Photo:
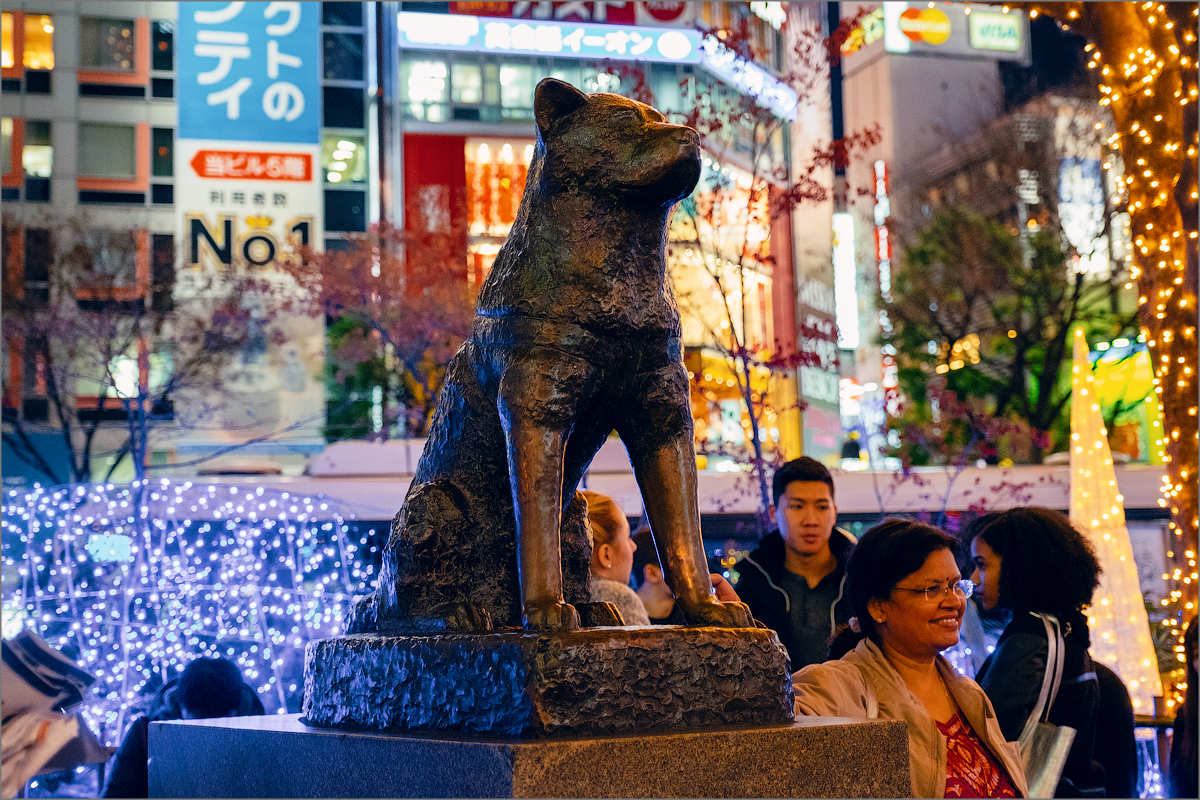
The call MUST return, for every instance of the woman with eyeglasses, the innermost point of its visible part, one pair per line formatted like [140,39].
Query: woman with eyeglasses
[1031,561]
[908,597]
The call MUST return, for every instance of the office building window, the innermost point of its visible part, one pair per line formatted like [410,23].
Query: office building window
[343,56]
[345,14]
[425,88]
[516,90]
[6,142]
[39,41]
[106,43]
[39,255]
[107,151]
[344,157]
[343,107]
[162,152]
[162,45]
[38,49]
[37,156]
[8,53]
[466,83]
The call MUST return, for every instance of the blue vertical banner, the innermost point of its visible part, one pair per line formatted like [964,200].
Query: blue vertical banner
[249,72]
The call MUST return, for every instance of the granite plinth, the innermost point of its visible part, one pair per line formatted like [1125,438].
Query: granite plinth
[278,756]
[596,680]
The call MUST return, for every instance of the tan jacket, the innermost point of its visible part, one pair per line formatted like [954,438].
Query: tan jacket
[843,688]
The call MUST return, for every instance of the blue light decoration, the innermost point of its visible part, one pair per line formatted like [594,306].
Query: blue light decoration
[134,581]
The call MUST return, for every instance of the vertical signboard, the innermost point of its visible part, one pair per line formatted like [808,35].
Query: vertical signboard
[249,196]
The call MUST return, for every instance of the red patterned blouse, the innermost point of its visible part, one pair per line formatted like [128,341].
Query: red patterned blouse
[971,771]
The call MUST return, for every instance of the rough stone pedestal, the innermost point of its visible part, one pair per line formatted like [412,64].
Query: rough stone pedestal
[277,756]
[592,681]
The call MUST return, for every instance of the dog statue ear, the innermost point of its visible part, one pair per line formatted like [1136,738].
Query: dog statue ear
[554,99]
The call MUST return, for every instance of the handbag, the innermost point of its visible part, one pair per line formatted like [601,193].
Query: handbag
[1044,747]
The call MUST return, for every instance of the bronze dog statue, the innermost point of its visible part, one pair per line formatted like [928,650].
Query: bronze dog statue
[576,333]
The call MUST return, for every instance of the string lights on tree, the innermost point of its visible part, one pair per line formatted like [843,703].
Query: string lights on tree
[133,582]
[1144,56]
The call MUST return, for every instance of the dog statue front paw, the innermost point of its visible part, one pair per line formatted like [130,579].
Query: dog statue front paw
[719,615]
[551,617]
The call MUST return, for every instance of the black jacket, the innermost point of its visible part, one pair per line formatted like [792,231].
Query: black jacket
[1012,677]
[1116,749]
[758,584]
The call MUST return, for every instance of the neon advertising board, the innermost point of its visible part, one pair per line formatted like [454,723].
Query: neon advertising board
[948,29]
[546,37]
[420,31]
[249,72]
[248,195]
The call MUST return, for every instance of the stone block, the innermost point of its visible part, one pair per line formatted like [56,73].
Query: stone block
[596,680]
[277,756]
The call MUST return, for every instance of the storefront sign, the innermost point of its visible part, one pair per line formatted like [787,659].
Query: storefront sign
[929,25]
[996,32]
[883,253]
[868,32]
[248,197]
[751,79]
[670,14]
[845,279]
[420,31]
[249,71]
[960,30]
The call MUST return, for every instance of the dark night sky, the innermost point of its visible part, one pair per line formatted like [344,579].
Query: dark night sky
[1058,63]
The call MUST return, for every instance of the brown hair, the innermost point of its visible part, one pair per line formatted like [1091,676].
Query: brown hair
[603,515]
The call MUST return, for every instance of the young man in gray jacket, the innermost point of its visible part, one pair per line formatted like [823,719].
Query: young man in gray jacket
[794,581]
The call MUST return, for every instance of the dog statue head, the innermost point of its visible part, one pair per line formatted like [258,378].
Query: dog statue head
[612,144]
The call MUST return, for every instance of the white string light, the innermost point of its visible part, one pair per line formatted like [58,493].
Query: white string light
[135,581]
[1117,620]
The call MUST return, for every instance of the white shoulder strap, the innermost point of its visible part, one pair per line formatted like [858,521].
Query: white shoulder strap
[1055,655]
[871,701]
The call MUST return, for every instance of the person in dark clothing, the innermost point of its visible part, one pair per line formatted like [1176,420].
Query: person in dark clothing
[208,688]
[1031,561]
[1182,773]
[651,585]
[1116,747]
[794,582]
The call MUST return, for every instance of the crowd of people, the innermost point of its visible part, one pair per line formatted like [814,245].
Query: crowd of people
[865,623]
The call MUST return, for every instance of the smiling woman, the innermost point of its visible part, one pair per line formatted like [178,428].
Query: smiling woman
[908,598]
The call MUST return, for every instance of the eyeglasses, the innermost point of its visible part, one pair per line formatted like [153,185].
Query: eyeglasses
[963,588]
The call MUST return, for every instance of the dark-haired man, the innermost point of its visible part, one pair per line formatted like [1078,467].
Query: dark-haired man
[794,582]
[208,688]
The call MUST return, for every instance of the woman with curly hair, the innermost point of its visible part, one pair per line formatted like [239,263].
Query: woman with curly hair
[1031,561]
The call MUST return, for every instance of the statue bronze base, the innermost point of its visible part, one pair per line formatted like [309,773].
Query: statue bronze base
[592,681]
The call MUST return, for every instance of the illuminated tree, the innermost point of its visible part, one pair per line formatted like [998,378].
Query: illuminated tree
[400,306]
[1144,55]
[992,316]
